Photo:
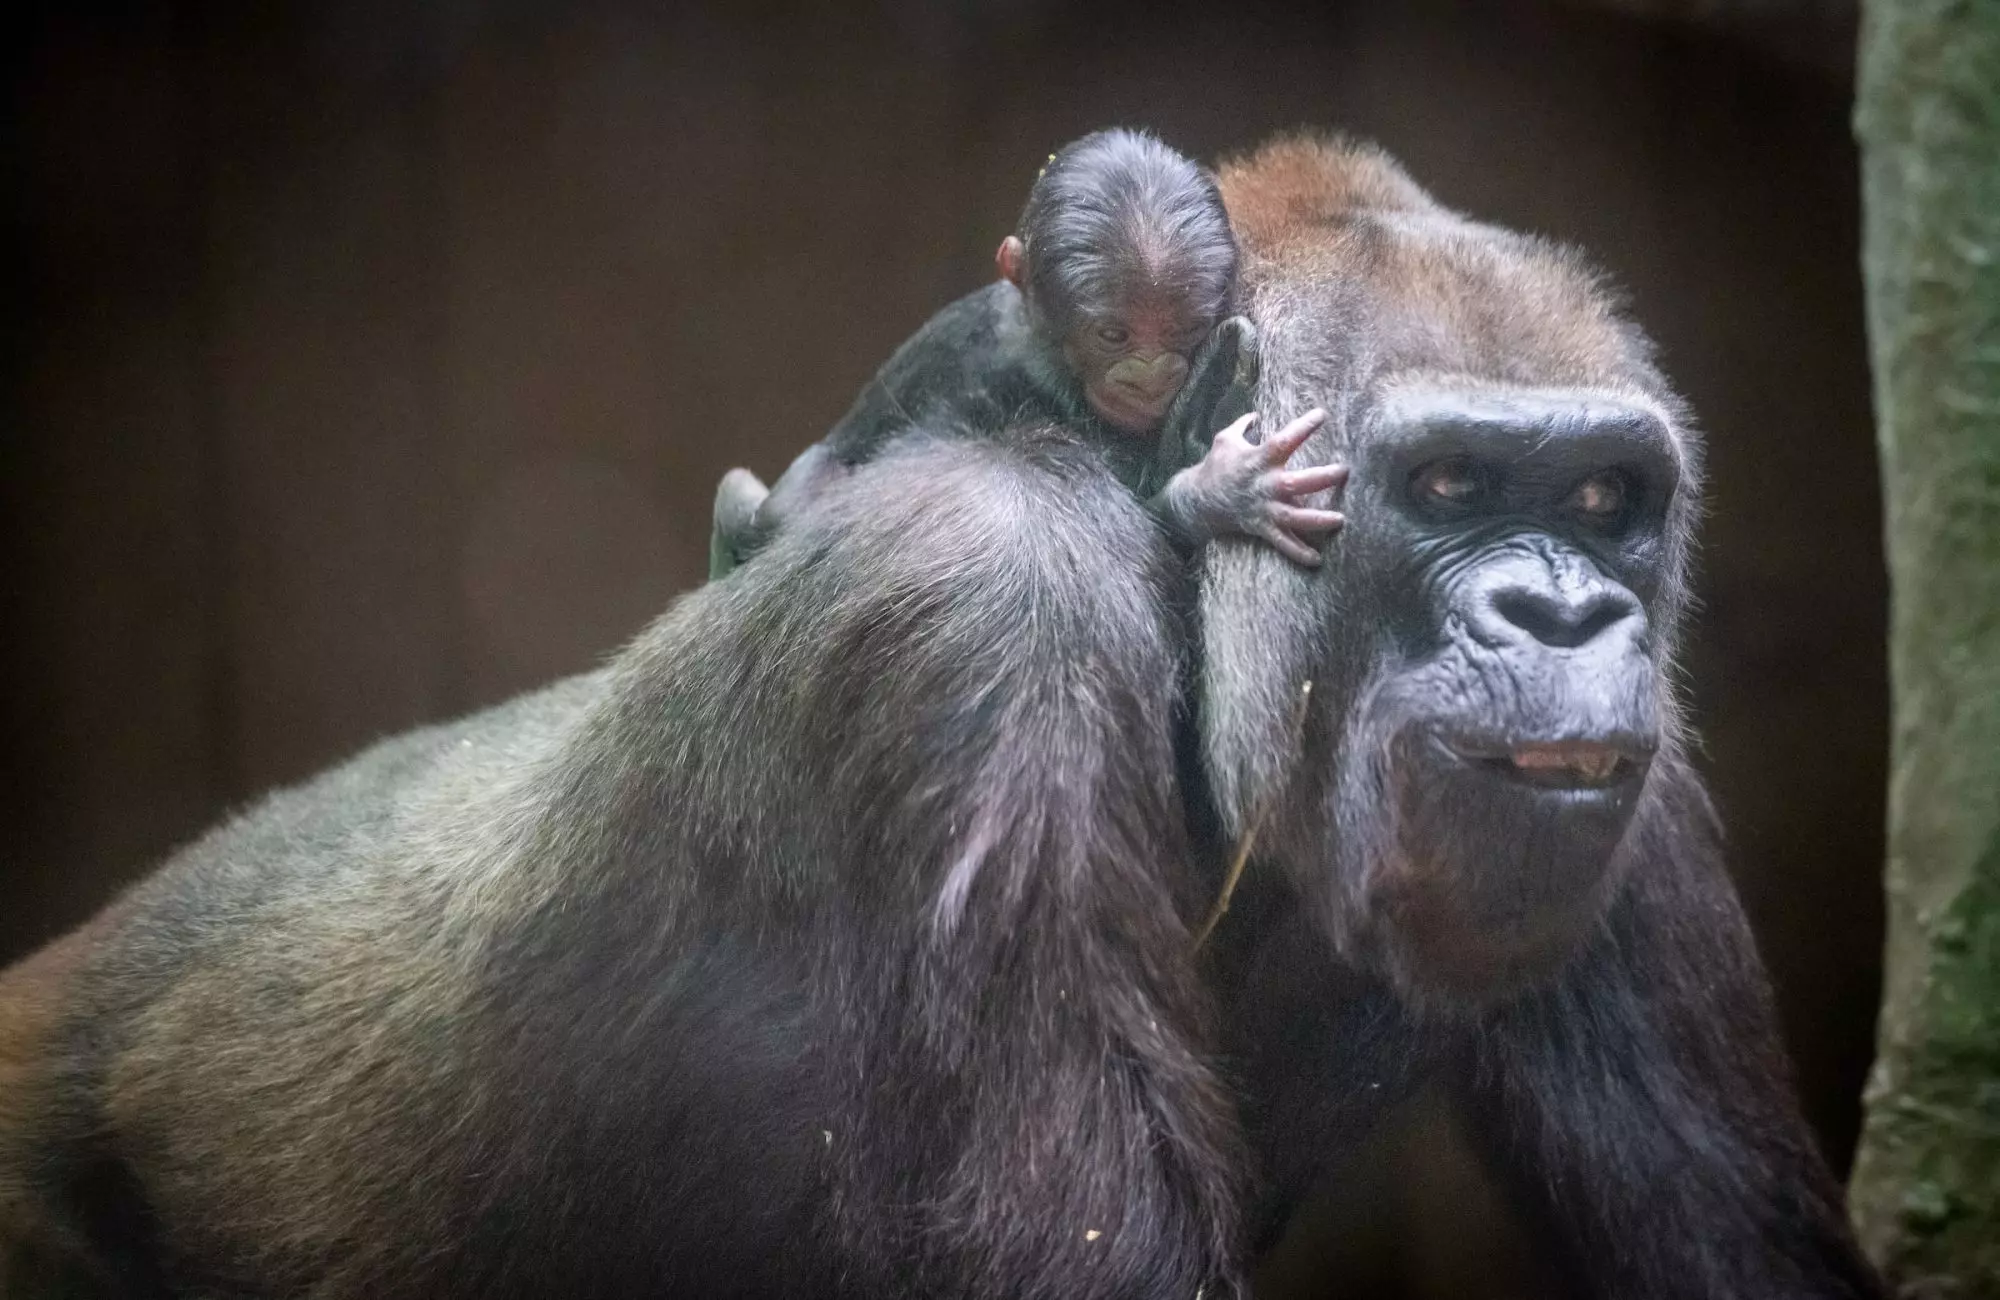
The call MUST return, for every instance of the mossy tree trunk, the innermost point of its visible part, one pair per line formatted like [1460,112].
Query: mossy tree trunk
[1926,1190]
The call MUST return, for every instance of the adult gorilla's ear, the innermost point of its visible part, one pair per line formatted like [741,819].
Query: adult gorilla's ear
[1221,385]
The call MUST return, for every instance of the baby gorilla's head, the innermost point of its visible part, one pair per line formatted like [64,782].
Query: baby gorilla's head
[1127,261]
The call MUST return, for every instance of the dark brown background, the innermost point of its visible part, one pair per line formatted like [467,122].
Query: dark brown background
[376,361]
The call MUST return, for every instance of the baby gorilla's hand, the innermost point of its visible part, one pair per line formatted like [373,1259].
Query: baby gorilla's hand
[1243,487]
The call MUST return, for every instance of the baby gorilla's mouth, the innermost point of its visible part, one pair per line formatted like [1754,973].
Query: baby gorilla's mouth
[1130,411]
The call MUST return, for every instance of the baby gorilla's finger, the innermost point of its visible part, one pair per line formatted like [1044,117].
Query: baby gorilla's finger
[1239,431]
[1304,519]
[1305,482]
[1289,546]
[1279,447]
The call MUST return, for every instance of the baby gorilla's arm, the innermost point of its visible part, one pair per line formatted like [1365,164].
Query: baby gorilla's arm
[1243,487]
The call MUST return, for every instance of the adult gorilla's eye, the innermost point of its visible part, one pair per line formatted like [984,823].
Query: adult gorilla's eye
[1451,482]
[1601,497]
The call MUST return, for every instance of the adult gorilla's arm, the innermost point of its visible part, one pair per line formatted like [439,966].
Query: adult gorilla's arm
[1643,1102]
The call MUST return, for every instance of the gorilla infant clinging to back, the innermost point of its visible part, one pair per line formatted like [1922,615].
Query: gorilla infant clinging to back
[1123,269]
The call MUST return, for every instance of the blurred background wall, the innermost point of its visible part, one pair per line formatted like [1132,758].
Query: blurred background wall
[375,361]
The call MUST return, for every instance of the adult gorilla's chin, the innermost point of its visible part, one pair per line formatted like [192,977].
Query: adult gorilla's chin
[1478,878]
[1494,789]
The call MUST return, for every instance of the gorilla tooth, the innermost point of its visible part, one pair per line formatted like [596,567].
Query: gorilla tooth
[1597,767]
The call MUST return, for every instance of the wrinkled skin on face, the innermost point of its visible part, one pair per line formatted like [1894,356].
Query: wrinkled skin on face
[1515,712]
[1133,358]
[1486,749]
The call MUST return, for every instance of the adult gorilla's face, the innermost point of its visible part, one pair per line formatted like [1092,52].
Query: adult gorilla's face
[1489,639]
[1511,544]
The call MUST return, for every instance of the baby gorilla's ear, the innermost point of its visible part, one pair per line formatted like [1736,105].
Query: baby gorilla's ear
[1011,260]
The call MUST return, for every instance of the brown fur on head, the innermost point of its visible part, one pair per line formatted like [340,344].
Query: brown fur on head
[1373,300]
[1343,219]
[1298,185]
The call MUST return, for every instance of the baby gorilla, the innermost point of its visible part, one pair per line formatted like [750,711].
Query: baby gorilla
[1123,269]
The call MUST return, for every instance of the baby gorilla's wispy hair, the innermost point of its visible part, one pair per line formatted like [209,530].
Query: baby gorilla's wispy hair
[1116,212]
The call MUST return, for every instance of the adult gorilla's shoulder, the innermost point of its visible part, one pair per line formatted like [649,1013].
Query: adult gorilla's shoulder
[825,942]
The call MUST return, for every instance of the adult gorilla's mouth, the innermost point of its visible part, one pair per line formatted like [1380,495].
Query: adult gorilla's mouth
[1571,764]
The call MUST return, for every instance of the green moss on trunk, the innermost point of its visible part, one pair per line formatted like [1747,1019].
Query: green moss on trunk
[1926,1191]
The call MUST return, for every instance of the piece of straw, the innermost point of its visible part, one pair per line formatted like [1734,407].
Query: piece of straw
[1249,840]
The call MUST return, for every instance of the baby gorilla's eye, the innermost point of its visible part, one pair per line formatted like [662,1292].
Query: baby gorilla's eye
[1116,336]
[1453,482]
[1601,497]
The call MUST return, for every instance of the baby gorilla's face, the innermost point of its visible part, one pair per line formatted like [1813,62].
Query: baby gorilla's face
[1133,358]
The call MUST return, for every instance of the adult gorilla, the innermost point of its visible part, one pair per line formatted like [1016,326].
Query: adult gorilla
[830,942]
[1486,858]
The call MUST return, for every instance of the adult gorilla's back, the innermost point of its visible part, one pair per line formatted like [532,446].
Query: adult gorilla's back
[823,943]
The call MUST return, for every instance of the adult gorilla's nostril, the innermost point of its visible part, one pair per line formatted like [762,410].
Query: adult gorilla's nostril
[1563,622]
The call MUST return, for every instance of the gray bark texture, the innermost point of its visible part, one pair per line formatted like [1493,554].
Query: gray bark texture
[1926,1188]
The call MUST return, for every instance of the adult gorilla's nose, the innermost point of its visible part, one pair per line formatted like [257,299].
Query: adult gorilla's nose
[1527,602]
